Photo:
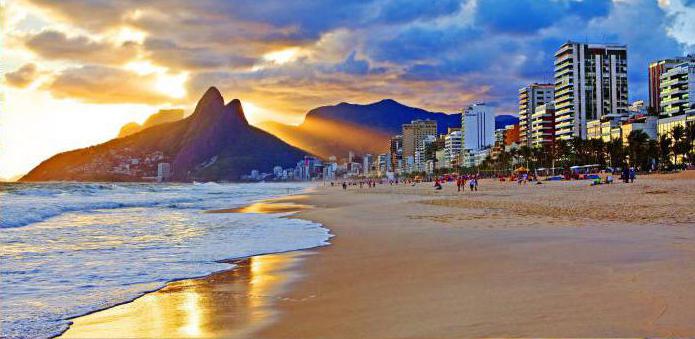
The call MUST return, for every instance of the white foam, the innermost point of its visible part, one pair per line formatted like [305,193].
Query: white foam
[102,246]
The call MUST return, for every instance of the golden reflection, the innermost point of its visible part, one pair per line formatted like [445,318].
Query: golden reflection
[265,208]
[226,304]
[191,307]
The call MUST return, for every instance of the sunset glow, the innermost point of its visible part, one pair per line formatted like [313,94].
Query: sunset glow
[73,74]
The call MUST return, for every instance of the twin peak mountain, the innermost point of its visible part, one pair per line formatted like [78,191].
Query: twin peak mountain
[216,142]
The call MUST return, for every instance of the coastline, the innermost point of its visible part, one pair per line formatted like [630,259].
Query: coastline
[181,304]
[410,261]
[228,303]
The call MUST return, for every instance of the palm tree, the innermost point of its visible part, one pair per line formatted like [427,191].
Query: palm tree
[525,152]
[580,150]
[637,146]
[690,140]
[678,133]
[596,148]
[616,152]
[664,150]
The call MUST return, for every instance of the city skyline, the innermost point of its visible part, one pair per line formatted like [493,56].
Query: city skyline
[75,73]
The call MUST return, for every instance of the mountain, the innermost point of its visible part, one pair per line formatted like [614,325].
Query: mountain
[161,117]
[338,129]
[214,143]
[504,120]
[385,116]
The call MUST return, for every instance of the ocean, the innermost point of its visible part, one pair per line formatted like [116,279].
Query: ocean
[67,249]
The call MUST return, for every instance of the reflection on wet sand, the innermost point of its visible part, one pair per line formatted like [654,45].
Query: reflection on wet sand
[271,206]
[226,304]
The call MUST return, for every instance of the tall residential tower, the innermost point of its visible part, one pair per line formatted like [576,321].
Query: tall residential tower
[414,133]
[656,70]
[590,83]
[478,127]
[530,97]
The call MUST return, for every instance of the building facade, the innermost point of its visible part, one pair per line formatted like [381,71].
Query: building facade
[530,97]
[543,125]
[163,171]
[452,149]
[414,133]
[646,124]
[421,156]
[677,90]
[512,134]
[656,70]
[478,127]
[396,152]
[590,83]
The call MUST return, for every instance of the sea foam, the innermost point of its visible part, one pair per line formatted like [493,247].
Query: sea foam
[70,249]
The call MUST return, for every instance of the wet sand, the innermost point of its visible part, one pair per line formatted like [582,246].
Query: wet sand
[231,303]
[264,207]
[561,259]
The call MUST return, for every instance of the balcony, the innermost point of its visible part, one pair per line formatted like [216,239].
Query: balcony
[563,72]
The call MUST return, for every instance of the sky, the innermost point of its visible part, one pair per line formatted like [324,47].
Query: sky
[73,72]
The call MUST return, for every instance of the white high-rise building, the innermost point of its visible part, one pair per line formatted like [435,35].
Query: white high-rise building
[478,127]
[163,171]
[452,148]
[367,161]
[656,70]
[590,83]
[420,158]
[677,90]
[530,97]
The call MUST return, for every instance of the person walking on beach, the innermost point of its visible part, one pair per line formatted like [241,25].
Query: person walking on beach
[472,184]
[344,185]
[626,174]
[632,174]
[458,184]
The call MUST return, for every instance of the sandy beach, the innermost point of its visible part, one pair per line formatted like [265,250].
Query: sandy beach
[561,259]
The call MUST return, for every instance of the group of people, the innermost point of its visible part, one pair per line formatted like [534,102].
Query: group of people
[472,182]
[361,183]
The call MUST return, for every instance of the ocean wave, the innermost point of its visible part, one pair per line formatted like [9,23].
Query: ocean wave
[91,251]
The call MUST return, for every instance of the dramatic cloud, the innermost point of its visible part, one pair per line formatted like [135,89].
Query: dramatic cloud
[57,45]
[169,54]
[529,16]
[289,56]
[682,24]
[23,76]
[99,84]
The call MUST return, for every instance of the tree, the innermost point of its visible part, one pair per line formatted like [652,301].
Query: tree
[526,152]
[616,153]
[597,150]
[637,148]
[580,151]
[690,141]
[678,134]
[665,150]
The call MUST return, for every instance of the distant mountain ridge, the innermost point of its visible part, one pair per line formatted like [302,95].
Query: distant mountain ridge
[386,115]
[504,120]
[161,117]
[214,143]
[324,130]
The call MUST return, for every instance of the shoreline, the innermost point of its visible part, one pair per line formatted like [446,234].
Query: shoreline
[489,263]
[105,321]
